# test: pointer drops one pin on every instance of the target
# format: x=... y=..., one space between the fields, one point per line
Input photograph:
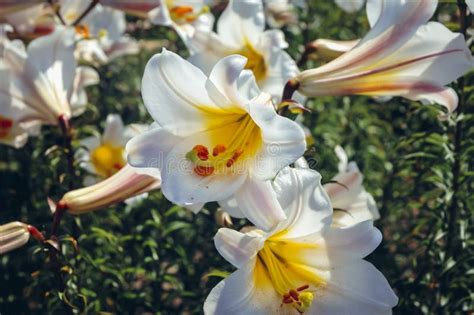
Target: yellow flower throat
x=233 y=144
x=108 y=159
x=290 y=279
x=255 y=61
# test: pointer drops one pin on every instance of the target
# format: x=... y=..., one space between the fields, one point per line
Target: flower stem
x=453 y=210
x=56 y=11
x=86 y=12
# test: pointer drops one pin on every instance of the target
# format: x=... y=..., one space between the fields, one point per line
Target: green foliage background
x=159 y=258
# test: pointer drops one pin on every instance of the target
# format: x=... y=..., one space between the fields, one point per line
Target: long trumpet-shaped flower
x=241 y=30
x=16 y=234
x=304 y=265
x=402 y=55
x=40 y=84
x=214 y=136
x=128 y=182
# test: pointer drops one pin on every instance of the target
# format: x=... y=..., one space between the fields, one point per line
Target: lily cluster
x=219 y=136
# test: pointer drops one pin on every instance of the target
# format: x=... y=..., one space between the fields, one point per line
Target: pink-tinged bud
x=327 y=50
x=13 y=235
x=223 y=218
x=124 y=184
x=10 y=6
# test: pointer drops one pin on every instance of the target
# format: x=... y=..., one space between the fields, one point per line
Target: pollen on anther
x=234 y=158
x=202 y=152
x=218 y=149
x=203 y=170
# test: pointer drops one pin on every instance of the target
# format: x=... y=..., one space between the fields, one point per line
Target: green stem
x=453 y=210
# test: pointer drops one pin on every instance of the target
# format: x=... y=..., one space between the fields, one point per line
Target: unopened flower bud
x=124 y=184
x=13 y=235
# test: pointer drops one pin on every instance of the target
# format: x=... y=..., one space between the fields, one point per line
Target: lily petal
x=283 y=139
x=258 y=202
x=358 y=288
x=174 y=103
x=248 y=15
x=236 y=247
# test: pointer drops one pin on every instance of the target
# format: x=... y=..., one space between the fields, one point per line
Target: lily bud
x=124 y=184
x=13 y=235
x=327 y=49
x=223 y=218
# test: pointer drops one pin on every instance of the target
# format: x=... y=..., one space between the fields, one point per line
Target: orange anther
x=83 y=30
x=303 y=287
x=218 y=149
x=203 y=170
x=202 y=152
x=288 y=300
x=234 y=158
x=181 y=10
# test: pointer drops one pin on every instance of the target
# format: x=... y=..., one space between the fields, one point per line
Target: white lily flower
x=264 y=50
x=39 y=82
x=184 y=16
x=105 y=155
x=402 y=55
x=214 y=136
x=279 y=13
x=34 y=21
x=305 y=265
x=350 y=6
x=102 y=32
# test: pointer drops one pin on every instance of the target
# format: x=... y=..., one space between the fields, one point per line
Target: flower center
x=233 y=144
x=182 y=14
x=108 y=159
x=83 y=31
x=255 y=61
x=6 y=126
x=278 y=265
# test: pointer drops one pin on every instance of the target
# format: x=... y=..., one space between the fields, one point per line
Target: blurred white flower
x=350 y=6
x=214 y=136
x=105 y=155
x=402 y=55
x=41 y=84
x=304 y=265
x=11 y=6
x=34 y=21
x=279 y=13
x=102 y=32
x=185 y=16
x=351 y=202
x=241 y=30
